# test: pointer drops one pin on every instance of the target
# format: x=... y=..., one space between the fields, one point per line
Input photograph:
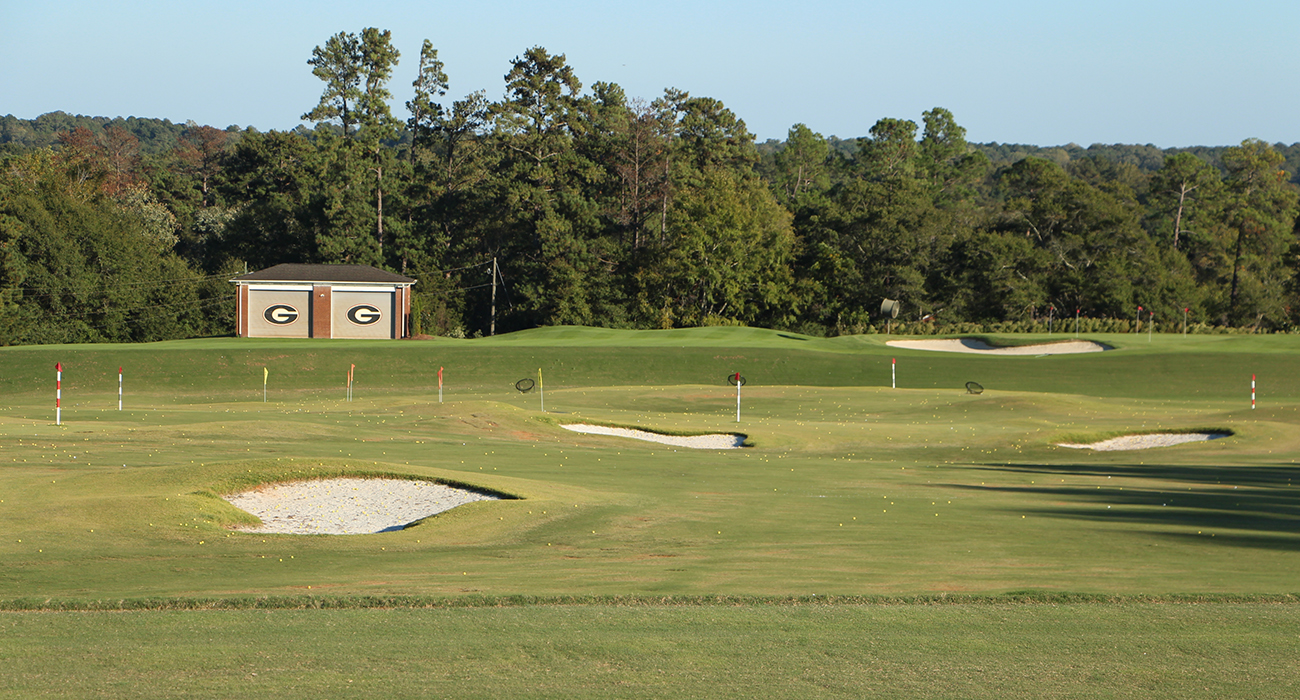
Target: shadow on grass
x=1255 y=476
x=1254 y=506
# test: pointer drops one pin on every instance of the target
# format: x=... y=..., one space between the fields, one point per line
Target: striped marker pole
x=119 y=388
x=58 y=393
x=439 y=385
x=893 y=373
x=738 y=383
x=1252 y=392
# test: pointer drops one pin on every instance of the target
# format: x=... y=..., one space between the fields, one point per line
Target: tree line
x=609 y=210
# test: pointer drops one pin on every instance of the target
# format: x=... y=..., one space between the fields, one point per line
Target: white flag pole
x=737 y=401
x=119 y=388
x=737 y=397
x=58 y=393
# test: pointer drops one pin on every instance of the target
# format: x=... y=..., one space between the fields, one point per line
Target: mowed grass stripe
x=980 y=651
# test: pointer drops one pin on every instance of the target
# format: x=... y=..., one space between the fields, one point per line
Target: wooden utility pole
x=492 y=328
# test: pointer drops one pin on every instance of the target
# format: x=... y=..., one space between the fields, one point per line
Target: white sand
x=971 y=345
x=348 y=506
x=724 y=441
x=1143 y=442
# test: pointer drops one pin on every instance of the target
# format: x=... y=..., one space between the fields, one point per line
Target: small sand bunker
x=1144 y=442
x=348 y=506
x=971 y=345
x=722 y=441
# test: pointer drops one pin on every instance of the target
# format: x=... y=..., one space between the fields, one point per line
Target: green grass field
x=851 y=489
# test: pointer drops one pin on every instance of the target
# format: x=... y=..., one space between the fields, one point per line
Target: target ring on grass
x=974 y=388
x=735 y=379
x=525 y=385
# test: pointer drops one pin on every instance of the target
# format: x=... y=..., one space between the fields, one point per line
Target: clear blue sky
x=1171 y=73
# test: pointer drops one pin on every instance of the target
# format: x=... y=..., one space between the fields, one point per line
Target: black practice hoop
x=974 y=388
x=735 y=379
x=525 y=385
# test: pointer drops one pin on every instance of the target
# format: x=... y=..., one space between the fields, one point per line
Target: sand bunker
x=971 y=345
x=348 y=506
x=723 y=441
x=1143 y=442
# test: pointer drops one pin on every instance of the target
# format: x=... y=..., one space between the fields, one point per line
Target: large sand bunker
x=973 y=345
x=348 y=506
x=1143 y=442
x=722 y=441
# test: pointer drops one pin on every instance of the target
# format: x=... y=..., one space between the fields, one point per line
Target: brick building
x=323 y=301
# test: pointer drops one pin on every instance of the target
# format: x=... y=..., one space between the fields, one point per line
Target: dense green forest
x=610 y=210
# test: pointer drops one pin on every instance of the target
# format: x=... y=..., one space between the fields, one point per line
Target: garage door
x=279 y=314
x=363 y=314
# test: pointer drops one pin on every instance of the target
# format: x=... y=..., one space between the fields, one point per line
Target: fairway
x=582 y=651
x=847 y=487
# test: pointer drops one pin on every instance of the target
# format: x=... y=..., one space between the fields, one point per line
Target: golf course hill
x=882 y=520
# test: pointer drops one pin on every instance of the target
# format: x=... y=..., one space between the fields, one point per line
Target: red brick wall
x=241 y=323
x=406 y=312
x=320 y=311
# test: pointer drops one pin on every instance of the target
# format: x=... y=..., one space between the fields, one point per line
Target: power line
x=180 y=305
x=50 y=291
x=457 y=269
x=55 y=291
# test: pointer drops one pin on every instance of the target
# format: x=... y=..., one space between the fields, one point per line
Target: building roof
x=293 y=272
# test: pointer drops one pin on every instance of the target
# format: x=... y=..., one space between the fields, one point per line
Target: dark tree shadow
x=1244 y=506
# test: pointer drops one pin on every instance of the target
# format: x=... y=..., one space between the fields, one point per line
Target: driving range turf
x=909 y=542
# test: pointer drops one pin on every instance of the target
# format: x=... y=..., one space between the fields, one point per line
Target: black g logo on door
x=280 y=314
x=364 y=314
